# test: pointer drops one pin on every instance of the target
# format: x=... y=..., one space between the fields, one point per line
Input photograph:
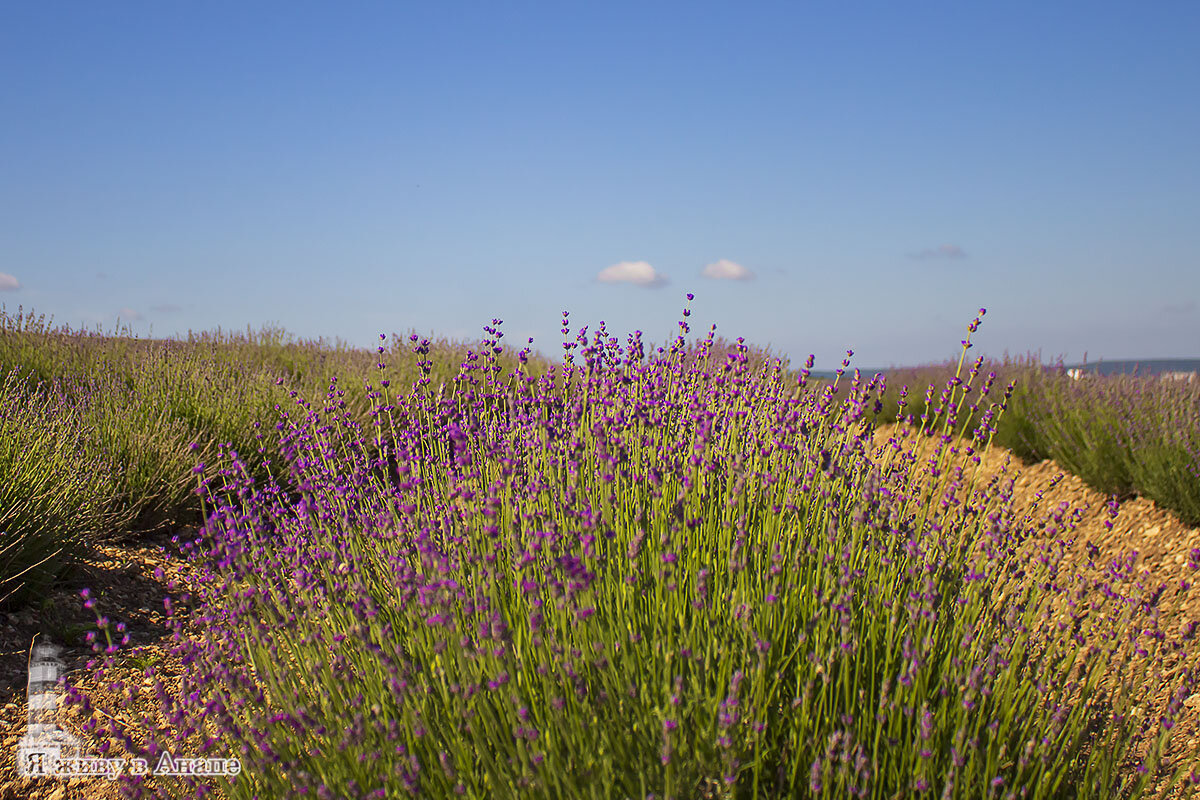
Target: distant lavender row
x=52 y=491
x=658 y=574
x=146 y=401
x=1123 y=434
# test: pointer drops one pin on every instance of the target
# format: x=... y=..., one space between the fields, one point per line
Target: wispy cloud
x=8 y=283
x=941 y=251
x=130 y=315
x=166 y=308
x=639 y=273
x=726 y=270
x=1186 y=307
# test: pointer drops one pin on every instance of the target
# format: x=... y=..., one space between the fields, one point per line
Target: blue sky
x=860 y=175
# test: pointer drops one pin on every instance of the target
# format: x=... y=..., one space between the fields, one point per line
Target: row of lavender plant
x=52 y=490
x=147 y=400
x=658 y=574
x=97 y=429
x=1122 y=434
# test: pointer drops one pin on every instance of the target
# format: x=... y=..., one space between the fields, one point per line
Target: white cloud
x=941 y=251
x=8 y=283
x=129 y=315
x=639 y=273
x=726 y=270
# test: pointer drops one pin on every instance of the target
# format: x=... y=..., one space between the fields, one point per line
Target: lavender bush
x=52 y=491
x=662 y=574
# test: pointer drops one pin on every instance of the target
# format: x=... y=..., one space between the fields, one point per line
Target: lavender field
x=440 y=570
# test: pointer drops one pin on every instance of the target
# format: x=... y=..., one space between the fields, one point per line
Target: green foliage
x=53 y=490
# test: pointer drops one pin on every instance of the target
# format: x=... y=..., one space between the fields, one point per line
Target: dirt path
x=128 y=582
x=131 y=580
